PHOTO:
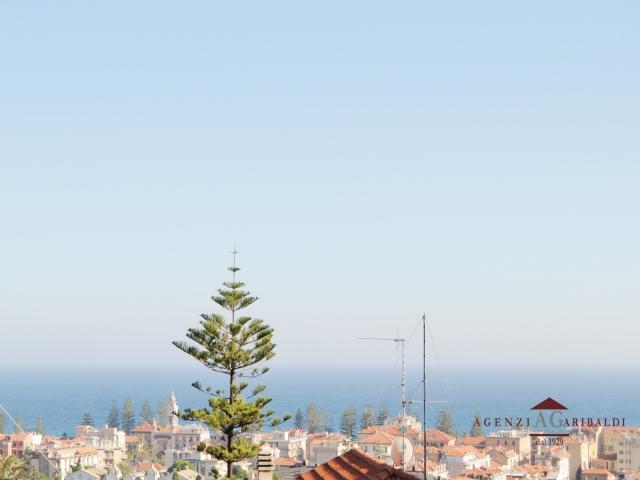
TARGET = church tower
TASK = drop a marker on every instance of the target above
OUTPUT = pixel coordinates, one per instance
(173, 411)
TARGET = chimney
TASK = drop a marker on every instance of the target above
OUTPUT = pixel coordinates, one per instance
(265, 464)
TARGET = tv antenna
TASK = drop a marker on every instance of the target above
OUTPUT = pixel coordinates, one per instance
(403, 386)
(403, 380)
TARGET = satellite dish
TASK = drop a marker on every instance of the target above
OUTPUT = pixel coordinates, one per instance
(401, 452)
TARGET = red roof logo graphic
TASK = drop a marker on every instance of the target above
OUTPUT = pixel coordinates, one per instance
(549, 404)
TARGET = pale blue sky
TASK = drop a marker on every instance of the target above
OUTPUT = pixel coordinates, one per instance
(371, 160)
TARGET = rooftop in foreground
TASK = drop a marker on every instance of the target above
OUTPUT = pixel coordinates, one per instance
(355, 465)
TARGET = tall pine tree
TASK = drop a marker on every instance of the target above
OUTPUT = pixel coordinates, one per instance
(476, 426)
(383, 414)
(299, 419)
(348, 422)
(146, 414)
(236, 348)
(113, 418)
(368, 417)
(128, 421)
(313, 419)
(87, 419)
(445, 422)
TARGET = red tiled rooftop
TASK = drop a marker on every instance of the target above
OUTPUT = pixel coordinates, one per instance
(595, 471)
(355, 465)
(378, 438)
(143, 428)
(438, 435)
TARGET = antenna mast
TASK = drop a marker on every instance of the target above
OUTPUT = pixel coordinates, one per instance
(403, 375)
(424, 396)
(403, 383)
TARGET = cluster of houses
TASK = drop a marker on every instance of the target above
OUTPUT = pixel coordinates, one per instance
(153, 450)
(602, 453)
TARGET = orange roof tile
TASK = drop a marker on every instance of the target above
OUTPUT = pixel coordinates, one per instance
(378, 438)
(596, 471)
(355, 465)
(287, 462)
(147, 466)
(438, 435)
(145, 427)
(461, 450)
(472, 440)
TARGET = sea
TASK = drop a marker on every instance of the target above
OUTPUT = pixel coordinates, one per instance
(62, 395)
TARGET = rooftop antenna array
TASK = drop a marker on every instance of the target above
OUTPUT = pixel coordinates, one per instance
(401, 341)
(406, 445)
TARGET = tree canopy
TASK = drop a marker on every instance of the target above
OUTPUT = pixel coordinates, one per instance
(237, 348)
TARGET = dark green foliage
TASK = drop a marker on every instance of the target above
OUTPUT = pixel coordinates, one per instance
(313, 419)
(476, 426)
(87, 419)
(113, 418)
(146, 414)
(14, 468)
(181, 465)
(299, 419)
(445, 422)
(328, 422)
(236, 349)
(383, 414)
(239, 473)
(348, 422)
(128, 421)
(178, 466)
(368, 417)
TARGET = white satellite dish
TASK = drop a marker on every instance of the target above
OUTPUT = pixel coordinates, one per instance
(401, 452)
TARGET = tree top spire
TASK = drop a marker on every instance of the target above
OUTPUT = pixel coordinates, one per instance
(233, 268)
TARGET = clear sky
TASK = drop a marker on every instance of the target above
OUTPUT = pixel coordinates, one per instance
(478, 161)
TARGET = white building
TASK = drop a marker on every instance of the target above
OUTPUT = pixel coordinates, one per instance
(461, 458)
(288, 443)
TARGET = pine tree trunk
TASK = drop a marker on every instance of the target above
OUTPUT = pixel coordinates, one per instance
(230, 431)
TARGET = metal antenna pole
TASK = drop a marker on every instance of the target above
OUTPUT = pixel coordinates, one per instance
(404, 380)
(424, 395)
(403, 384)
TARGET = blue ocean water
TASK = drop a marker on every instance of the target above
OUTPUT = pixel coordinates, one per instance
(62, 395)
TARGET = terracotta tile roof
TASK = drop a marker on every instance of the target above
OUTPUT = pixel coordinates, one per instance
(418, 449)
(286, 462)
(378, 438)
(531, 469)
(472, 440)
(436, 435)
(596, 471)
(355, 465)
(143, 428)
(148, 465)
(393, 430)
(369, 430)
(461, 450)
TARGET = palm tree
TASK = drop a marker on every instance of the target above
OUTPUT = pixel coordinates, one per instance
(12, 468)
